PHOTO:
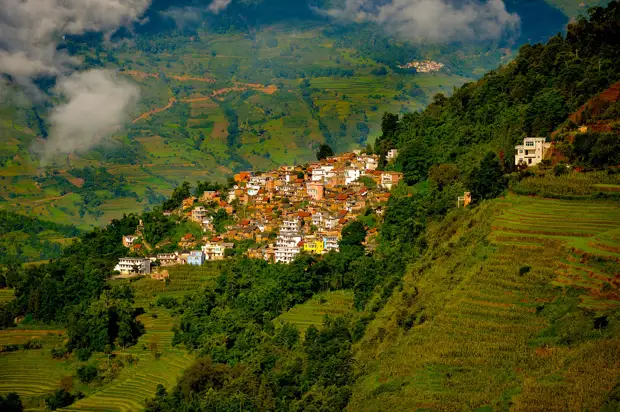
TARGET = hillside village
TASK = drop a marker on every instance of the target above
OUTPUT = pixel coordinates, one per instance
(277, 215)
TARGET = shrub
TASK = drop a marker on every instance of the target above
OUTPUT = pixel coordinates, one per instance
(87, 373)
(59, 399)
(560, 169)
(59, 353)
(83, 354)
(524, 269)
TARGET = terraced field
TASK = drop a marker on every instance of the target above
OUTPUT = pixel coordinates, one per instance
(183, 279)
(32, 372)
(313, 312)
(589, 230)
(139, 381)
(498, 314)
(6, 295)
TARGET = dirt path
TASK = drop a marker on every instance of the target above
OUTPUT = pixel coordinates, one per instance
(239, 87)
(148, 114)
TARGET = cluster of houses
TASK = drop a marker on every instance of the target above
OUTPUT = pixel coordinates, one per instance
(426, 66)
(283, 212)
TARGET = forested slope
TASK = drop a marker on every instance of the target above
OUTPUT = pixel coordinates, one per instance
(531, 96)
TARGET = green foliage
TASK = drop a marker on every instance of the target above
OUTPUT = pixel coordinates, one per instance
(24, 238)
(11, 403)
(443, 175)
(87, 373)
(178, 195)
(353, 234)
(324, 152)
(60, 399)
(487, 181)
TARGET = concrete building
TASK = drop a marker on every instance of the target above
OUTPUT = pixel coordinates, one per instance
(216, 250)
(315, 190)
(287, 243)
(330, 243)
(196, 258)
(532, 151)
(133, 265)
(199, 213)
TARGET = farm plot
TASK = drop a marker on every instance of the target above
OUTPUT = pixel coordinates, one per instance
(6, 295)
(158, 363)
(591, 230)
(313, 312)
(480, 323)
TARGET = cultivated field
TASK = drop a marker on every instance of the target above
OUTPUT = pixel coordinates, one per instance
(500, 313)
(313, 312)
(34, 373)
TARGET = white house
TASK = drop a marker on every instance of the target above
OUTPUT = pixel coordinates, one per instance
(351, 174)
(199, 213)
(532, 151)
(133, 265)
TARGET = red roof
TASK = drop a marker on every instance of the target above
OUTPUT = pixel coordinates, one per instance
(187, 236)
(343, 196)
(342, 221)
(305, 214)
(244, 222)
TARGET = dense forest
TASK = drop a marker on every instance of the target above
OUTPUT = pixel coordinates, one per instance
(531, 96)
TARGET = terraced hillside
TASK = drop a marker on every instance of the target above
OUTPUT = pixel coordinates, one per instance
(139, 381)
(507, 310)
(34, 374)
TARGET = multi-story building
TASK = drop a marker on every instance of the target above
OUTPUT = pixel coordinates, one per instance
(199, 213)
(351, 174)
(168, 259)
(133, 265)
(216, 250)
(330, 243)
(313, 245)
(390, 179)
(532, 151)
(287, 243)
(315, 190)
(196, 258)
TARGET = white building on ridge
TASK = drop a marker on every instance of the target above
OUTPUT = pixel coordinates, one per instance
(532, 151)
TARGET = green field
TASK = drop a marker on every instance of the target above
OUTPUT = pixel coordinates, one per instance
(496, 314)
(221, 119)
(313, 312)
(6, 295)
(34, 373)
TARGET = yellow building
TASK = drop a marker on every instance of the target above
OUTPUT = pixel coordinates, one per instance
(314, 246)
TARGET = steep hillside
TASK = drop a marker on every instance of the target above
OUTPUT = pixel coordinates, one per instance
(514, 305)
(530, 96)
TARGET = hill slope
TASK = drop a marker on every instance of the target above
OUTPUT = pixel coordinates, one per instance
(510, 308)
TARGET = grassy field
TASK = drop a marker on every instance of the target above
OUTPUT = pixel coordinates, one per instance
(6, 295)
(499, 314)
(333, 304)
(34, 373)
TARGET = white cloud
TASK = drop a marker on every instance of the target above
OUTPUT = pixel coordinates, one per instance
(97, 105)
(30, 32)
(217, 6)
(432, 20)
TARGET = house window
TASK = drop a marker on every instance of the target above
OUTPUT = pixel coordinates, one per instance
(520, 151)
(529, 161)
(529, 144)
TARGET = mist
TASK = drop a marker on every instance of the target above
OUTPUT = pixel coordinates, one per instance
(97, 105)
(30, 32)
(436, 21)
